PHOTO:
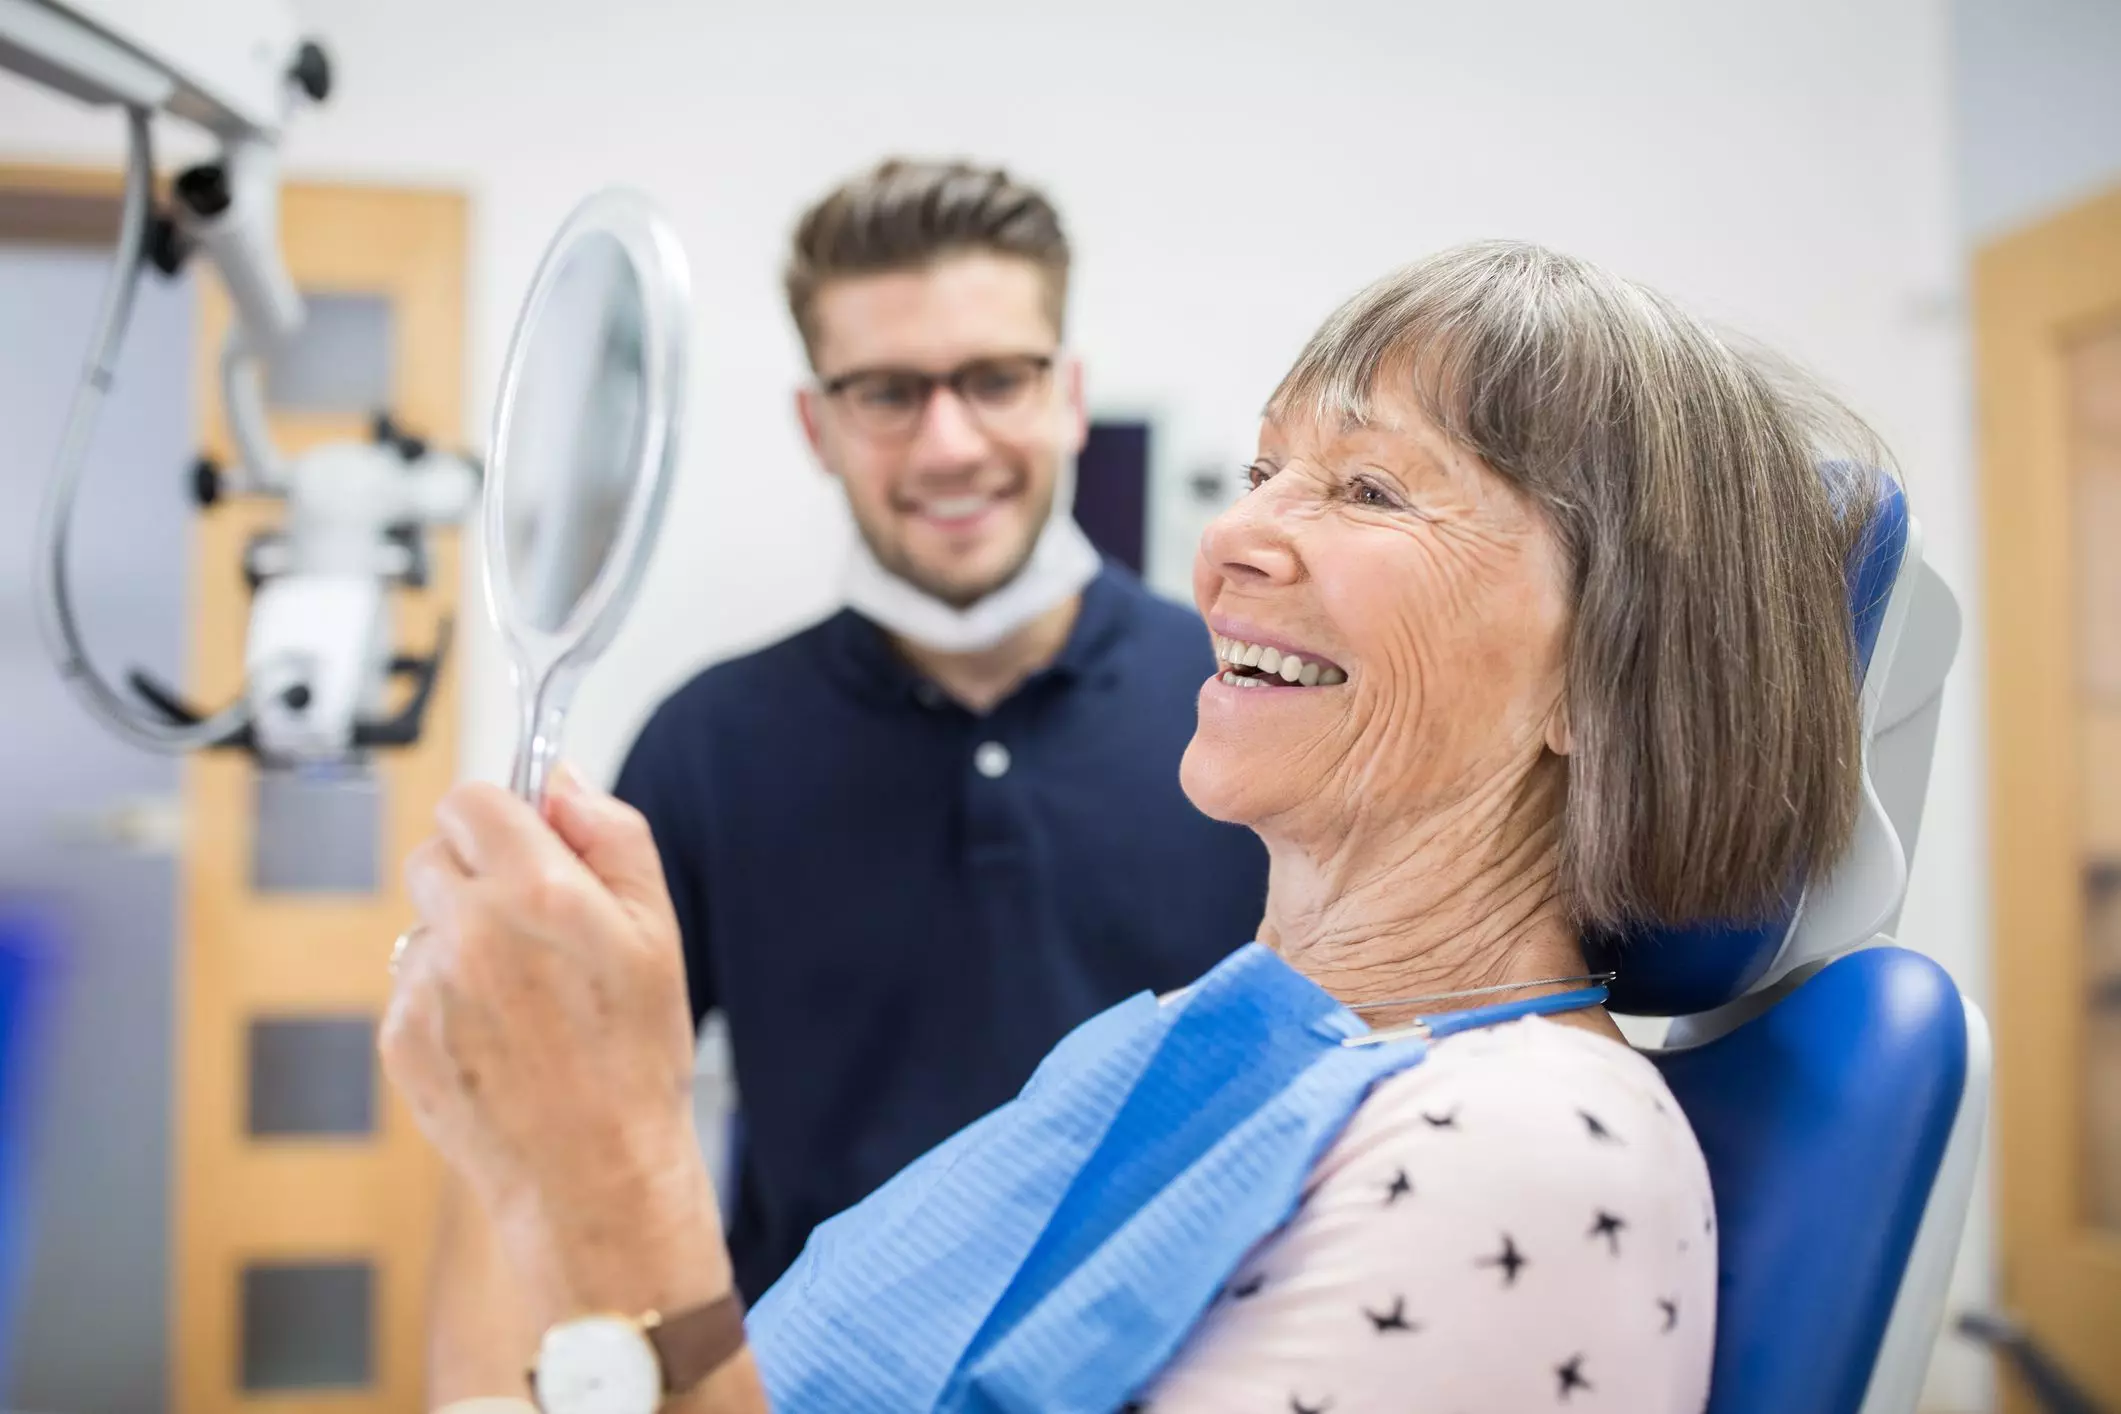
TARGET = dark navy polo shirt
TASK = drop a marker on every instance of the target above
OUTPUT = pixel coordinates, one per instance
(901, 906)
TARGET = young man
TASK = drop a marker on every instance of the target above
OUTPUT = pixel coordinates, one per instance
(912, 846)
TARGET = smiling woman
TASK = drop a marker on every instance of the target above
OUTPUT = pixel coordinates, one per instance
(1532, 623)
(1506, 457)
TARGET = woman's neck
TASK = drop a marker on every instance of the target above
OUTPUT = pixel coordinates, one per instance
(1465, 897)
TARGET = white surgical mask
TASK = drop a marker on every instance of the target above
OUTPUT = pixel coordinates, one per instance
(1062, 563)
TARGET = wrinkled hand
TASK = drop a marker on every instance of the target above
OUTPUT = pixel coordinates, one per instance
(540, 1033)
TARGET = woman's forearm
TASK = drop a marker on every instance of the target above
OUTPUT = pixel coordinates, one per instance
(734, 1389)
(480, 1336)
(656, 1247)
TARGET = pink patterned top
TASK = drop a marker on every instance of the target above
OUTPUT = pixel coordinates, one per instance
(1521, 1222)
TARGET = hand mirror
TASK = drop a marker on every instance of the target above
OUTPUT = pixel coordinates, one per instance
(584, 438)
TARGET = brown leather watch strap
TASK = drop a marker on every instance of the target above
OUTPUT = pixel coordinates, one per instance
(694, 1344)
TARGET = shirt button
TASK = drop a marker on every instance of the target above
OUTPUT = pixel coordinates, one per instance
(991, 760)
(928, 695)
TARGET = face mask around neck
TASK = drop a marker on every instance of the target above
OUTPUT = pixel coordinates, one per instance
(1062, 563)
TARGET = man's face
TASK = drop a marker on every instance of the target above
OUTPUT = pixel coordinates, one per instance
(941, 407)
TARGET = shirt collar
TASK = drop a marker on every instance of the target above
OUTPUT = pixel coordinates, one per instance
(861, 652)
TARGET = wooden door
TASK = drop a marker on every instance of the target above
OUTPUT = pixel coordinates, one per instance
(301, 1254)
(2048, 309)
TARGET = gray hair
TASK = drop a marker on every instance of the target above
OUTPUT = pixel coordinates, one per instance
(1711, 691)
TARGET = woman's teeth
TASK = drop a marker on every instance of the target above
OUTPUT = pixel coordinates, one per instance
(1251, 665)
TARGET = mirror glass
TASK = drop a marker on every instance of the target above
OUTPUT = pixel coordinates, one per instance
(574, 446)
(584, 438)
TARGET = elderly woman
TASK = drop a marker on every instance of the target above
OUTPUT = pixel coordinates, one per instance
(1533, 622)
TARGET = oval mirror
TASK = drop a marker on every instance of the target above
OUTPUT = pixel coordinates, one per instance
(584, 438)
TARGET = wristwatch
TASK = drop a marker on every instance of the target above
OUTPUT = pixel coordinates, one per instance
(631, 1364)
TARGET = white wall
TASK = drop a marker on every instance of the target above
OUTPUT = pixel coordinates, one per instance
(2037, 88)
(1229, 173)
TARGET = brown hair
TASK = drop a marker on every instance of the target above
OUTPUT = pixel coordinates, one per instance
(905, 215)
(1711, 688)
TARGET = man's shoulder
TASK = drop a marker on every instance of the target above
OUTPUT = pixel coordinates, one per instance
(753, 687)
(1159, 614)
(1155, 623)
(798, 657)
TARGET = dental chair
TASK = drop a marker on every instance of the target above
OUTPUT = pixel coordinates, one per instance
(1838, 1082)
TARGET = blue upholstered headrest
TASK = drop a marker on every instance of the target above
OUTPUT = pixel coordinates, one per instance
(1682, 971)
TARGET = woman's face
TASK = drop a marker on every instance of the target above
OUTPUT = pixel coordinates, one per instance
(1430, 597)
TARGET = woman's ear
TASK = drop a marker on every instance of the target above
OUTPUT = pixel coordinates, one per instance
(1560, 740)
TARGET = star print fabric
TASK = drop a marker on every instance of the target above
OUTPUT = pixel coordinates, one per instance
(1521, 1223)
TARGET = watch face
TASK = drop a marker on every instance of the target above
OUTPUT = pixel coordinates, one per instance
(598, 1365)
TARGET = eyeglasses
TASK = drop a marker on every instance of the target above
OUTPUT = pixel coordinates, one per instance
(1000, 391)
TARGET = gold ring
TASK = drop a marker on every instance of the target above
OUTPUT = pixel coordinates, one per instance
(397, 949)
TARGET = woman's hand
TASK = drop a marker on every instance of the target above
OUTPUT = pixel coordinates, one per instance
(541, 1034)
